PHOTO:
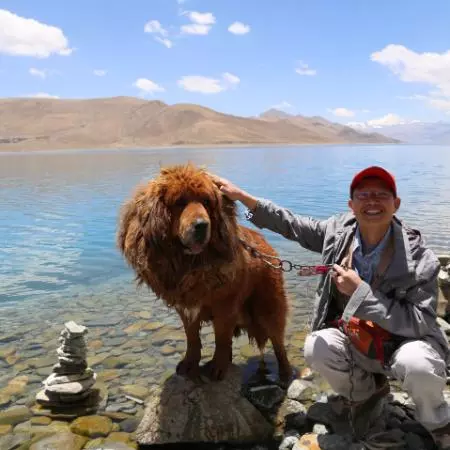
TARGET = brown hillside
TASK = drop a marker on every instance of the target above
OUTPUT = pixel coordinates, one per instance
(131, 122)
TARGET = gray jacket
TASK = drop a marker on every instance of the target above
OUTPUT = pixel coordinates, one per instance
(405, 301)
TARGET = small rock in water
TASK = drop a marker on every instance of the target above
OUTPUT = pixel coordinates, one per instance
(14, 415)
(444, 325)
(399, 397)
(92, 426)
(129, 425)
(69, 369)
(300, 390)
(134, 399)
(74, 387)
(320, 429)
(307, 374)
(307, 442)
(55, 378)
(74, 329)
(266, 397)
(288, 443)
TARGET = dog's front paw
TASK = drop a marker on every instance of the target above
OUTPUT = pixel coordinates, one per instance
(217, 368)
(286, 375)
(189, 368)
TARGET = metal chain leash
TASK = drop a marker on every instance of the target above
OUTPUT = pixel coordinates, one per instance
(285, 265)
(350, 394)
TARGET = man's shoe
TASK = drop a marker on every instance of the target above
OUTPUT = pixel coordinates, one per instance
(441, 437)
(382, 388)
(366, 412)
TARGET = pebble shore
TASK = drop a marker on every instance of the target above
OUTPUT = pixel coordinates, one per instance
(134, 344)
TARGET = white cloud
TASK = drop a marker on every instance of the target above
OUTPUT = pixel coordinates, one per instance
(148, 86)
(304, 69)
(411, 97)
(43, 95)
(168, 43)
(21, 36)
(357, 125)
(100, 72)
(284, 105)
(155, 27)
(428, 68)
(205, 85)
(342, 112)
(231, 79)
(202, 18)
(201, 23)
(388, 120)
(38, 72)
(239, 28)
(194, 28)
(42, 73)
(442, 104)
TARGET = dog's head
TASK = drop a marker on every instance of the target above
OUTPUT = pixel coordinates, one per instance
(180, 214)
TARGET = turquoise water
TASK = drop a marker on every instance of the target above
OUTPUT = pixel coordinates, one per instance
(59, 209)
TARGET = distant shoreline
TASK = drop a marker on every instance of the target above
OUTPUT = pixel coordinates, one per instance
(16, 149)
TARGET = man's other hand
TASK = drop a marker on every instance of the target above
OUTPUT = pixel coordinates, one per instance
(346, 280)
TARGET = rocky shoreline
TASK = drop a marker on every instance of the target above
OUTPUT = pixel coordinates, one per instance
(133, 345)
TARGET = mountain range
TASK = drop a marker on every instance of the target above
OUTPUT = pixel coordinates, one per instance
(415, 132)
(127, 122)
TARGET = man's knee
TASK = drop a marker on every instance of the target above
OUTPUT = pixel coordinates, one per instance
(325, 347)
(418, 359)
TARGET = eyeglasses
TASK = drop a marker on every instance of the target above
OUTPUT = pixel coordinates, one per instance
(377, 195)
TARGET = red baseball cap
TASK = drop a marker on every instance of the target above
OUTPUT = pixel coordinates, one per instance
(374, 172)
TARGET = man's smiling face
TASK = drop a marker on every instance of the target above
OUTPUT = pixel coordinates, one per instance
(373, 203)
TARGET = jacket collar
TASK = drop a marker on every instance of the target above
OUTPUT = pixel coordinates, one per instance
(402, 262)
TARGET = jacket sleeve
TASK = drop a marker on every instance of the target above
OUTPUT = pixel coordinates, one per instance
(308, 232)
(411, 313)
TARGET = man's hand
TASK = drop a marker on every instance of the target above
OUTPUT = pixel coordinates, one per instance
(227, 187)
(233, 192)
(346, 280)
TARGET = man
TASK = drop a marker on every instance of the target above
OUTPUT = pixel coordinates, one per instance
(375, 312)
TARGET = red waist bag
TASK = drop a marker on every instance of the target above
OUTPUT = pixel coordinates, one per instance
(367, 337)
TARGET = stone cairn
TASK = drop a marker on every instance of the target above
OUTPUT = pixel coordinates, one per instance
(71, 382)
(444, 288)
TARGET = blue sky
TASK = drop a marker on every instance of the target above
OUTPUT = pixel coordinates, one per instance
(349, 61)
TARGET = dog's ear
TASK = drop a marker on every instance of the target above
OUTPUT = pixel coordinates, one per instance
(155, 219)
(144, 224)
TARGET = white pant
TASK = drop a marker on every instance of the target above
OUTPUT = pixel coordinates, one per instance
(417, 364)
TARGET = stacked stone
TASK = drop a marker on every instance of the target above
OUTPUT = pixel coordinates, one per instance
(444, 288)
(71, 381)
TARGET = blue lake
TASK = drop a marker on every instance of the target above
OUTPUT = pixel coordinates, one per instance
(59, 209)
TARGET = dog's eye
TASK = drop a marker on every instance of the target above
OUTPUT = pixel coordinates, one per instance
(206, 202)
(181, 202)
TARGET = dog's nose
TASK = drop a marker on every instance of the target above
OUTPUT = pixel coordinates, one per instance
(200, 230)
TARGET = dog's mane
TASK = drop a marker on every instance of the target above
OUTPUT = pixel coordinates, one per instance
(145, 229)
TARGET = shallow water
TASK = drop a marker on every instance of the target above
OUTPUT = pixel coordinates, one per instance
(58, 259)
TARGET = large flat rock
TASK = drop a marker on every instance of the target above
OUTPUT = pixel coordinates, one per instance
(182, 411)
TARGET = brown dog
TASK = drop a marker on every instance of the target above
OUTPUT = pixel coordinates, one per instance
(181, 237)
